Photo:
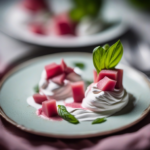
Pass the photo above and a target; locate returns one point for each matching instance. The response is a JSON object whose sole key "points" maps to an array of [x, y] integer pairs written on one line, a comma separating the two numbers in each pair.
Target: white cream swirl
{"points": [[56, 91], [99, 104], [102, 101]]}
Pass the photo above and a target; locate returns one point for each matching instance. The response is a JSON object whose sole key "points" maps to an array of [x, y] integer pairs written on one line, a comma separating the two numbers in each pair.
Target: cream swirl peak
{"points": [[55, 91], [105, 101]]}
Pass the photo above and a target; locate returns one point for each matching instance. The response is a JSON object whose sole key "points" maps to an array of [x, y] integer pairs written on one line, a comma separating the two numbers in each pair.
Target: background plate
{"points": [[10, 26], [19, 83]]}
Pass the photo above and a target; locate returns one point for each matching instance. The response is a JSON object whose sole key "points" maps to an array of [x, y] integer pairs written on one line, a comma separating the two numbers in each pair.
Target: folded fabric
{"points": [[133, 138]]}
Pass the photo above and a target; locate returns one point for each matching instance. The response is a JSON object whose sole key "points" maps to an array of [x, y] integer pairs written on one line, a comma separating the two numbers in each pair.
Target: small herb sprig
{"points": [[99, 120], [107, 57], [36, 89], [79, 65], [62, 111]]}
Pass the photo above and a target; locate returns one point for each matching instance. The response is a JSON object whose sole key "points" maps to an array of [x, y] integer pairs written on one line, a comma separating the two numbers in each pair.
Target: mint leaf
{"points": [[79, 65], [36, 89], [99, 120], [114, 55], [62, 111], [99, 55], [106, 47], [85, 8], [107, 57]]}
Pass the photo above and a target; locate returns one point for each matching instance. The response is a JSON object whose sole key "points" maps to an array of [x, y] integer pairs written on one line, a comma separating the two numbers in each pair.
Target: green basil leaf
{"points": [[99, 120], [62, 111], [114, 55], [99, 56], [36, 89], [79, 65]]}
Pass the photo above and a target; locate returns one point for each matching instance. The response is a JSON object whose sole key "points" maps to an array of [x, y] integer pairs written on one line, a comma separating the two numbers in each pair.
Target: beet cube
{"points": [[112, 74], [106, 84], [59, 79], [49, 108], [53, 70], [39, 98], [119, 78], [78, 91], [95, 76]]}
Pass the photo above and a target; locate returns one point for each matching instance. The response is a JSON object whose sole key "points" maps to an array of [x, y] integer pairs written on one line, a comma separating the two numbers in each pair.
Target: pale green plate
{"points": [[18, 85]]}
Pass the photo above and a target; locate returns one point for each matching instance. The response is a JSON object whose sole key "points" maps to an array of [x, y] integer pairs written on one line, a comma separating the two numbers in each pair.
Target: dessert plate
{"points": [[11, 27], [18, 84]]}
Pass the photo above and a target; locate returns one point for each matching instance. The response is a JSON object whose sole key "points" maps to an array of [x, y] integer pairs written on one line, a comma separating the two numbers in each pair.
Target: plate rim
{"points": [[26, 63]]}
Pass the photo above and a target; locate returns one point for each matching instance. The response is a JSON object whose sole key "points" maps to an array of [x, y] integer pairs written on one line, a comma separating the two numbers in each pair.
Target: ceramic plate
{"points": [[19, 83], [10, 26]]}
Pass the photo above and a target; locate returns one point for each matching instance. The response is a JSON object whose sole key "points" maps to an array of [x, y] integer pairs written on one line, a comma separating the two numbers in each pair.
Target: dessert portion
{"points": [[56, 80], [61, 90], [41, 17]]}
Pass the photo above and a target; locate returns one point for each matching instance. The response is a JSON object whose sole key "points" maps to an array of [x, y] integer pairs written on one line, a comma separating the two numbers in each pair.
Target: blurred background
{"points": [[32, 28]]}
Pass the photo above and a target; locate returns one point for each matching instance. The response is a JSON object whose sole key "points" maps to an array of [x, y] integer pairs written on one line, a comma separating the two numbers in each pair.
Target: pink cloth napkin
{"points": [[133, 138]]}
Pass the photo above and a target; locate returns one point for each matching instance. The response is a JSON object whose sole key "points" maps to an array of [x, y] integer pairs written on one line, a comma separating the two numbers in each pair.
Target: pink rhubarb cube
{"points": [[119, 79], [37, 28], [34, 5], [112, 74], [49, 108], [106, 84], [95, 76], [69, 70], [59, 79], [78, 91], [63, 64], [53, 70], [39, 98], [62, 25]]}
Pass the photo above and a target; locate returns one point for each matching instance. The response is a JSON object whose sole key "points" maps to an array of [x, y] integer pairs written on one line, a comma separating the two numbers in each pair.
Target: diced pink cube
{"points": [[69, 70], [34, 5], [63, 64], [53, 70], [37, 28], [49, 108], [106, 84], [119, 78], [62, 25], [39, 98], [59, 79], [78, 91], [95, 76], [112, 74]]}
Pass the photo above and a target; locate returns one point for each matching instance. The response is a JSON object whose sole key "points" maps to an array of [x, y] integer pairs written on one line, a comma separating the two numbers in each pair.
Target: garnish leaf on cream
{"points": [[106, 47], [62, 111], [99, 55], [107, 57], [99, 120], [114, 55], [79, 65], [36, 89]]}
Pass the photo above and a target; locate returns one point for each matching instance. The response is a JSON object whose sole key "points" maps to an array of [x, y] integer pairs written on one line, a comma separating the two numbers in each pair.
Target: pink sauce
{"points": [[74, 105], [40, 113]]}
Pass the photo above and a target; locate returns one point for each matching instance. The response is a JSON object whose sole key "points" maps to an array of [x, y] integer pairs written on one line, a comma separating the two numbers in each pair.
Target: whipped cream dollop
{"points": [[56, 91], [105, 101], [100, 104]]}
